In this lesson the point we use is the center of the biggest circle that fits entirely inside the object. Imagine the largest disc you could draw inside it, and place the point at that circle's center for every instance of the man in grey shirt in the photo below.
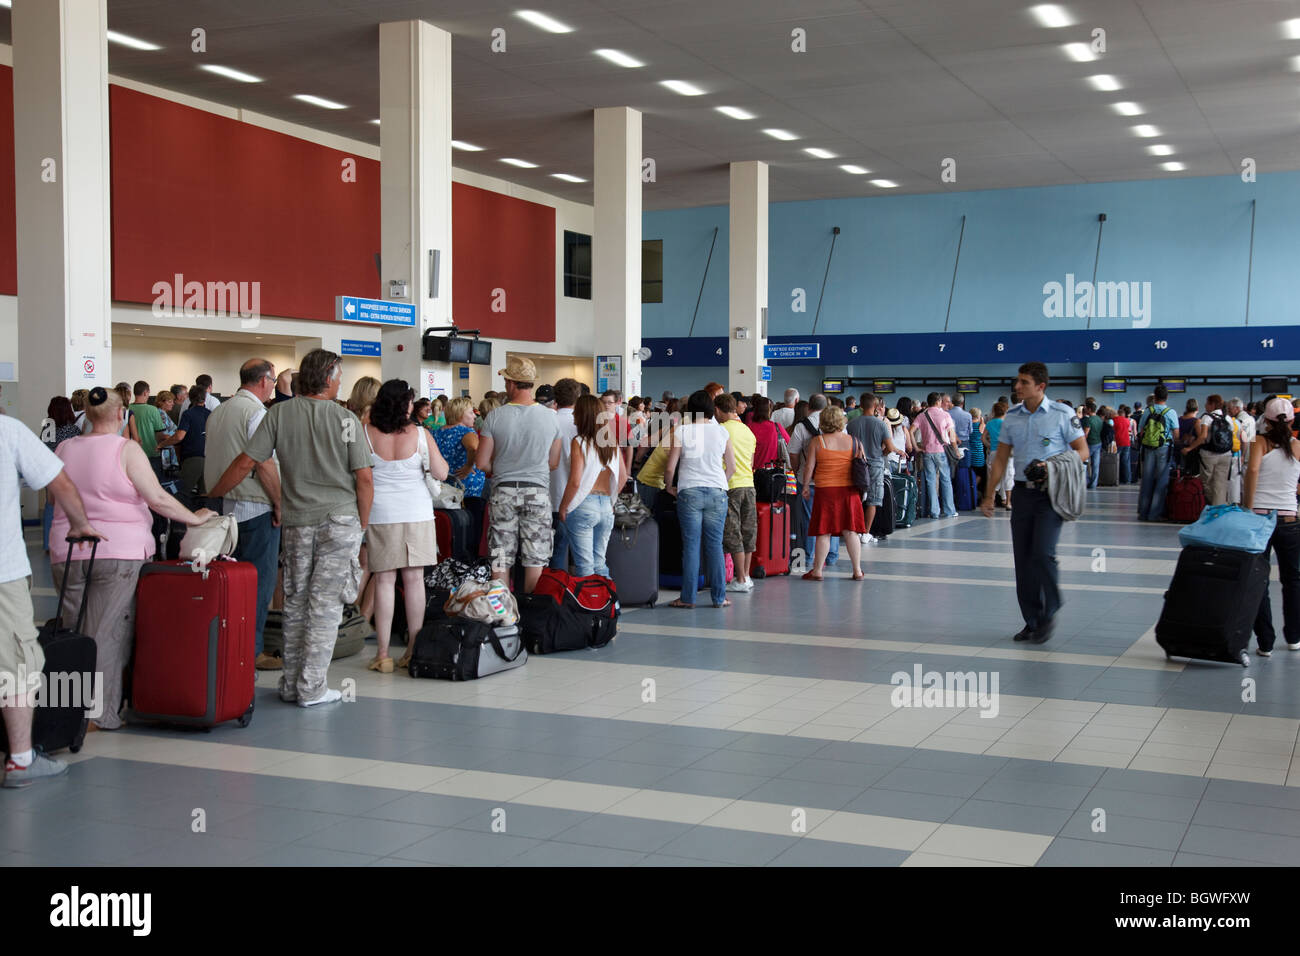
(520, 447)
(874, 434)
(784, 416)
(961, 424)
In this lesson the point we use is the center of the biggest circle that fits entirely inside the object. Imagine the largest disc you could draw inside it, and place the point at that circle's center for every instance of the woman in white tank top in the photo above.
(596, 473)
(1270, 485)
(401, 536)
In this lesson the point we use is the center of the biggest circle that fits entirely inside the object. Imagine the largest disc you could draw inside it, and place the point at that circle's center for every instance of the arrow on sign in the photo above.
(349, 308)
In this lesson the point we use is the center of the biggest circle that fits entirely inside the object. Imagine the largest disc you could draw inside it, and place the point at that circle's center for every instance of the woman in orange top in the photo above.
(837, 506)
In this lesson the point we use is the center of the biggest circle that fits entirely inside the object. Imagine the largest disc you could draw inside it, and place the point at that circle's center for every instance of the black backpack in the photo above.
(1219, 440)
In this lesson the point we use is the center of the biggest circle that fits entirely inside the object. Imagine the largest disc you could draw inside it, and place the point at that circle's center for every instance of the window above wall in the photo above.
(577, 265)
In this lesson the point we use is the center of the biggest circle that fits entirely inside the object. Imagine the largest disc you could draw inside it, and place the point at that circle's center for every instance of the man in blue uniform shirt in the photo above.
(1034, 430)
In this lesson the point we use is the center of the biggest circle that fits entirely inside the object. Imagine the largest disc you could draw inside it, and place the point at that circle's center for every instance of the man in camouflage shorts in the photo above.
(519, 446)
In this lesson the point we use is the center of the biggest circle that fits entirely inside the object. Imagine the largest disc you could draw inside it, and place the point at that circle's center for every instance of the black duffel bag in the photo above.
(769, 484)
(463, 649)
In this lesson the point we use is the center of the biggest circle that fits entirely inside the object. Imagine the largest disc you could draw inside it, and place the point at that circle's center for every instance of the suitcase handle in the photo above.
(67, 573)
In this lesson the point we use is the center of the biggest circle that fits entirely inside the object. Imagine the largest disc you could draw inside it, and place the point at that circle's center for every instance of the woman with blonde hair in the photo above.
(596, 473)
(363, 396)
(837, 506)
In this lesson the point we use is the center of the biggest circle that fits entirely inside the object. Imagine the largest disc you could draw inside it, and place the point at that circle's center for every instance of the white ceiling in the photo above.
(895, 86)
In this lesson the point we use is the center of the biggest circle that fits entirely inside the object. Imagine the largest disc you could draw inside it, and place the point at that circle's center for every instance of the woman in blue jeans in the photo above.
(1270, 485)
(596, 472)
(702, 463)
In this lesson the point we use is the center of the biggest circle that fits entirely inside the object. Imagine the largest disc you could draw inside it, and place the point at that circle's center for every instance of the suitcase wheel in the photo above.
(75, 748)
(247, 717)
(1245, 659)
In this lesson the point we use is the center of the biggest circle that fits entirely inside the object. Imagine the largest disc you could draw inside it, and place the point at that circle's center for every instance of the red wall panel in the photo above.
(8, 200)
(500, 242)
(217, 200)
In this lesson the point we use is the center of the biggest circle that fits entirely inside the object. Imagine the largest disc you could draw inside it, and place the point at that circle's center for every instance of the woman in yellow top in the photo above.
(837, 506)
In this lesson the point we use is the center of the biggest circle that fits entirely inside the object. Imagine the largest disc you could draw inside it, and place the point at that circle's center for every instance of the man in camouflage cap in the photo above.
(519, 446)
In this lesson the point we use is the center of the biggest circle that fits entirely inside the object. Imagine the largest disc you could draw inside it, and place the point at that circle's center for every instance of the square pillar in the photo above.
(616, 245)
(747, 276)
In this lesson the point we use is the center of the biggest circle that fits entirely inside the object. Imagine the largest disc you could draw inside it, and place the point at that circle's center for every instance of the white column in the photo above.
(61, 163)
(616, 245)
(747, 283)
(415, 188)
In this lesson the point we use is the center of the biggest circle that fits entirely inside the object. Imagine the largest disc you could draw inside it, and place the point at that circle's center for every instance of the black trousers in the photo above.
(1285, 543)
(1035, 530)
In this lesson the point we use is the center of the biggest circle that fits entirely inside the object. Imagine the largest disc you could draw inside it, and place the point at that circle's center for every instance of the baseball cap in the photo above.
(1279, 408)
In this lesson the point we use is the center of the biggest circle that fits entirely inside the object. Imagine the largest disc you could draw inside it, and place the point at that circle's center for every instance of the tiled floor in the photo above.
(765, 734)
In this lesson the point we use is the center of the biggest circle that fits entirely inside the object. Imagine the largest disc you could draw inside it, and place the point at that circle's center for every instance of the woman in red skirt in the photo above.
(837, 505)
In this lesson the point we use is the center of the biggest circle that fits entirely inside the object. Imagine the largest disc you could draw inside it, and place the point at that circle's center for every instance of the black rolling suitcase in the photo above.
(882, 525)
(1211, 604)
(69, 674)
(633, 559)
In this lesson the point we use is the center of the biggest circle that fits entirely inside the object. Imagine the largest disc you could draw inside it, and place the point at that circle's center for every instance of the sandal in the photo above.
(682, 604)
(382, 664)
(812, 576)
(859, 576)
(405, 660)
(725, 603)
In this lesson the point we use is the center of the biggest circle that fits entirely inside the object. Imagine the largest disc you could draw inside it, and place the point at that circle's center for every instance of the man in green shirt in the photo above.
(1091, 422)
(149, 425)
(326, 491)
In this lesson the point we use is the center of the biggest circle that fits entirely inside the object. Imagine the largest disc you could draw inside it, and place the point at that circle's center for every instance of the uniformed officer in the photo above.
(1035, 429)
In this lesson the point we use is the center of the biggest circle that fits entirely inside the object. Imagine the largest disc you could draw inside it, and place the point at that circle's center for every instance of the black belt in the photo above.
(517, 484)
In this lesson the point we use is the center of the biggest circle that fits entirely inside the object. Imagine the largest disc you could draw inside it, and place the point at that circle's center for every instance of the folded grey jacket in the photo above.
(1067, 481)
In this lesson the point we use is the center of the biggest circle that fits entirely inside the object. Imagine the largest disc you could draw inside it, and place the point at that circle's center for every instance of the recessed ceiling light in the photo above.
(1174, 167)
(542, 21)
(319, 101)
(735, 112)
(1104, 82)
(1146, 130)
(1160, 149)
(569, 178)
(1051, 15)
(781, 134)
(819, 152)
(682, 87)
(855, 170)
(619, 58)
(521, 163)
(230, 74)
(467, 147)
(1127, 109)
(1079, 52)
(132, 42)
(1291, 29)
(884, 183)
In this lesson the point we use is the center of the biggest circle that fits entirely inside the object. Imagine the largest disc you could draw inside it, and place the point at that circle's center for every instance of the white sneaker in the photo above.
(738, 587)
(1263, 653)
(749, 585)
(866, 538)
(1293, 647)
(329, 697)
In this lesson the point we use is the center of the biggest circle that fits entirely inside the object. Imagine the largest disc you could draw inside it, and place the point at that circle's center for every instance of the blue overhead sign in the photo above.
(350, 308)
(800, 351)
(360, 347)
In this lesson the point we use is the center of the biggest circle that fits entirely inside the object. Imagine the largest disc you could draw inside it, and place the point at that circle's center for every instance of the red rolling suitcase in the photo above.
(194, 643)
(773, 554)
(1185, 499)
(453, 528)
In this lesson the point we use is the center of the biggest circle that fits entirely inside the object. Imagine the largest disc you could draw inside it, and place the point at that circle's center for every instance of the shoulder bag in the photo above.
(861, 470)
(444, 495)
(954, 454)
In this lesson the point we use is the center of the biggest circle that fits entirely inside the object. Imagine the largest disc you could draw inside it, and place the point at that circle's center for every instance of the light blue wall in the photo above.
(893, 262)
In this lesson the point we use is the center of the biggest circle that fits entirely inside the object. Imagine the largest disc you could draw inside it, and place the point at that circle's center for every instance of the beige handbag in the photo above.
(444, 495)
(215, 537)
(490, 603)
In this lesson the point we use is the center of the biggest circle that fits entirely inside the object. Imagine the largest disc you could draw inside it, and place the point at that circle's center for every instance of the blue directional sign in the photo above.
(360, 347)
(789, 352)
(765, 373)
(349, 308)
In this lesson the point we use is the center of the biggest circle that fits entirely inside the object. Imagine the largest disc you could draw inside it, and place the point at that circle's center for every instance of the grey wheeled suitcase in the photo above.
(1108, 475)
(633, 559)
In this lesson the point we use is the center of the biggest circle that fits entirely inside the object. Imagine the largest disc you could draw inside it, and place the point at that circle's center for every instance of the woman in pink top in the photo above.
(767, 434)
(118, 487)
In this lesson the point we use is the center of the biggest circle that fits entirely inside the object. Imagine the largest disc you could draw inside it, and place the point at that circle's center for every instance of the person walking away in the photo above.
(401, 537)
(1036, 429)
(1215, 434)
(254, 502)
(325, 497)
(875, 437)
(520, 447)
(596, 472)
(701, 461)
(931, 431)
(1270, 486)
(1157, 432)
(837, 508)
(740, 531)
(25, 461)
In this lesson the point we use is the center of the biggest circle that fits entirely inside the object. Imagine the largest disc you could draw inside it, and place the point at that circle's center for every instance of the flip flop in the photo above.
(382, 664)
(859, 576)
(681, 604)
(812, 576)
